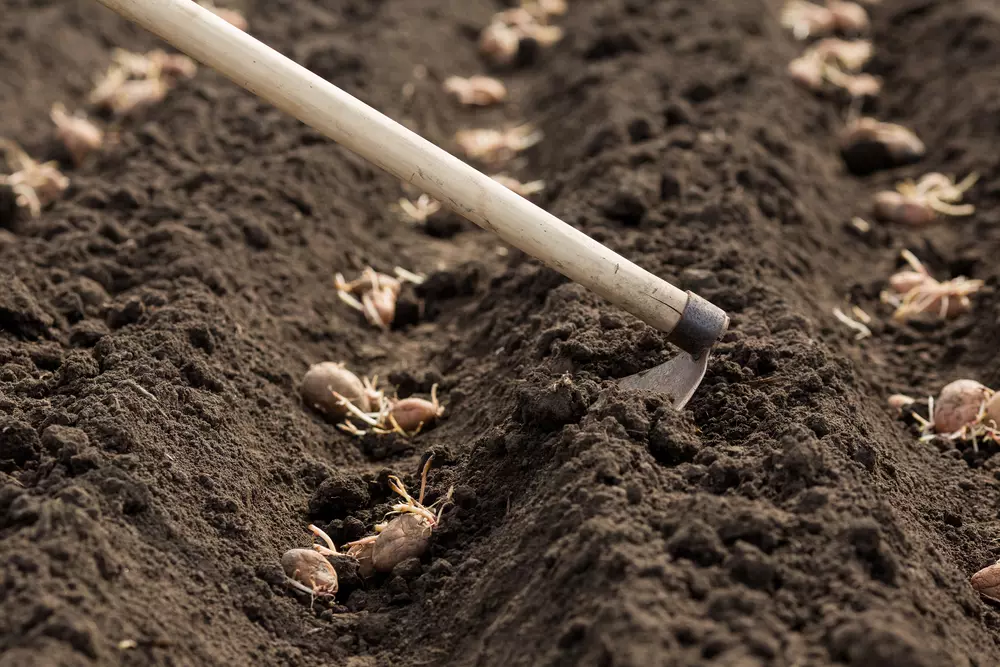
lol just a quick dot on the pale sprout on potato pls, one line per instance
(500, 40)
(35, 185)
(916, 293)
(405, 536)
(965, 410)
(494, 146)
(78, 134)
(476, 90)
(807, 19)
(901, 144)
(135, 81)
(523, 189)
(920, 202)
(420, 210)
(836, 61)
(406, 417)
(374, 293)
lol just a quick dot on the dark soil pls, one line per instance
(155, 460)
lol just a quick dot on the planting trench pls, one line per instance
(155, 323)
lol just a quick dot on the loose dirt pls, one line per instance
(155, 460)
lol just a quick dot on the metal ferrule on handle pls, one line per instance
(316, 102)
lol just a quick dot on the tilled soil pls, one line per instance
(155, 460)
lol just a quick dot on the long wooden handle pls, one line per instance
(384, 142)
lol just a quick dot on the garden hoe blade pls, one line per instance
(700, 325)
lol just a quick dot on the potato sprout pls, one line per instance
(476, 90)
(325, 381)
(378, 293)
(494, 146)
(405, 536)
(920, 202)
(79, 135)
(35, 185)
(921, 294)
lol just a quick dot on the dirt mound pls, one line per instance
(155, 460)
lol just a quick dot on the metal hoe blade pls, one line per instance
(677, 378)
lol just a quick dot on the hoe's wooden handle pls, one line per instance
(316, 102)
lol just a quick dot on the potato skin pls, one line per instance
(310, 568)
(321, 378)
(406, 536)
(958, 405)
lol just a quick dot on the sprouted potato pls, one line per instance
(523, 189)
(323, 382)
(35, 185)
(986, 582)
(900, 145)
(79, 135)
(494, 146)
(420, 210)
(959, 413)
(921, 294)
(406, 417)
(476, 90)
(310, 572)
(500, 41)
(920, 202)
(378, 293)
(405, 536)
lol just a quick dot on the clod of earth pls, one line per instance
(918, 203)
(405, 417)
(136, 81)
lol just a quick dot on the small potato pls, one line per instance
(848, 16)
(891, 206)
(363, 551)
(958, 405)
(322, 379)
(311, 571)
(499, 43)
(79, 135)
(406, 536)
(901, 401)
(986, 582)
(411, 413)
(807, 71)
